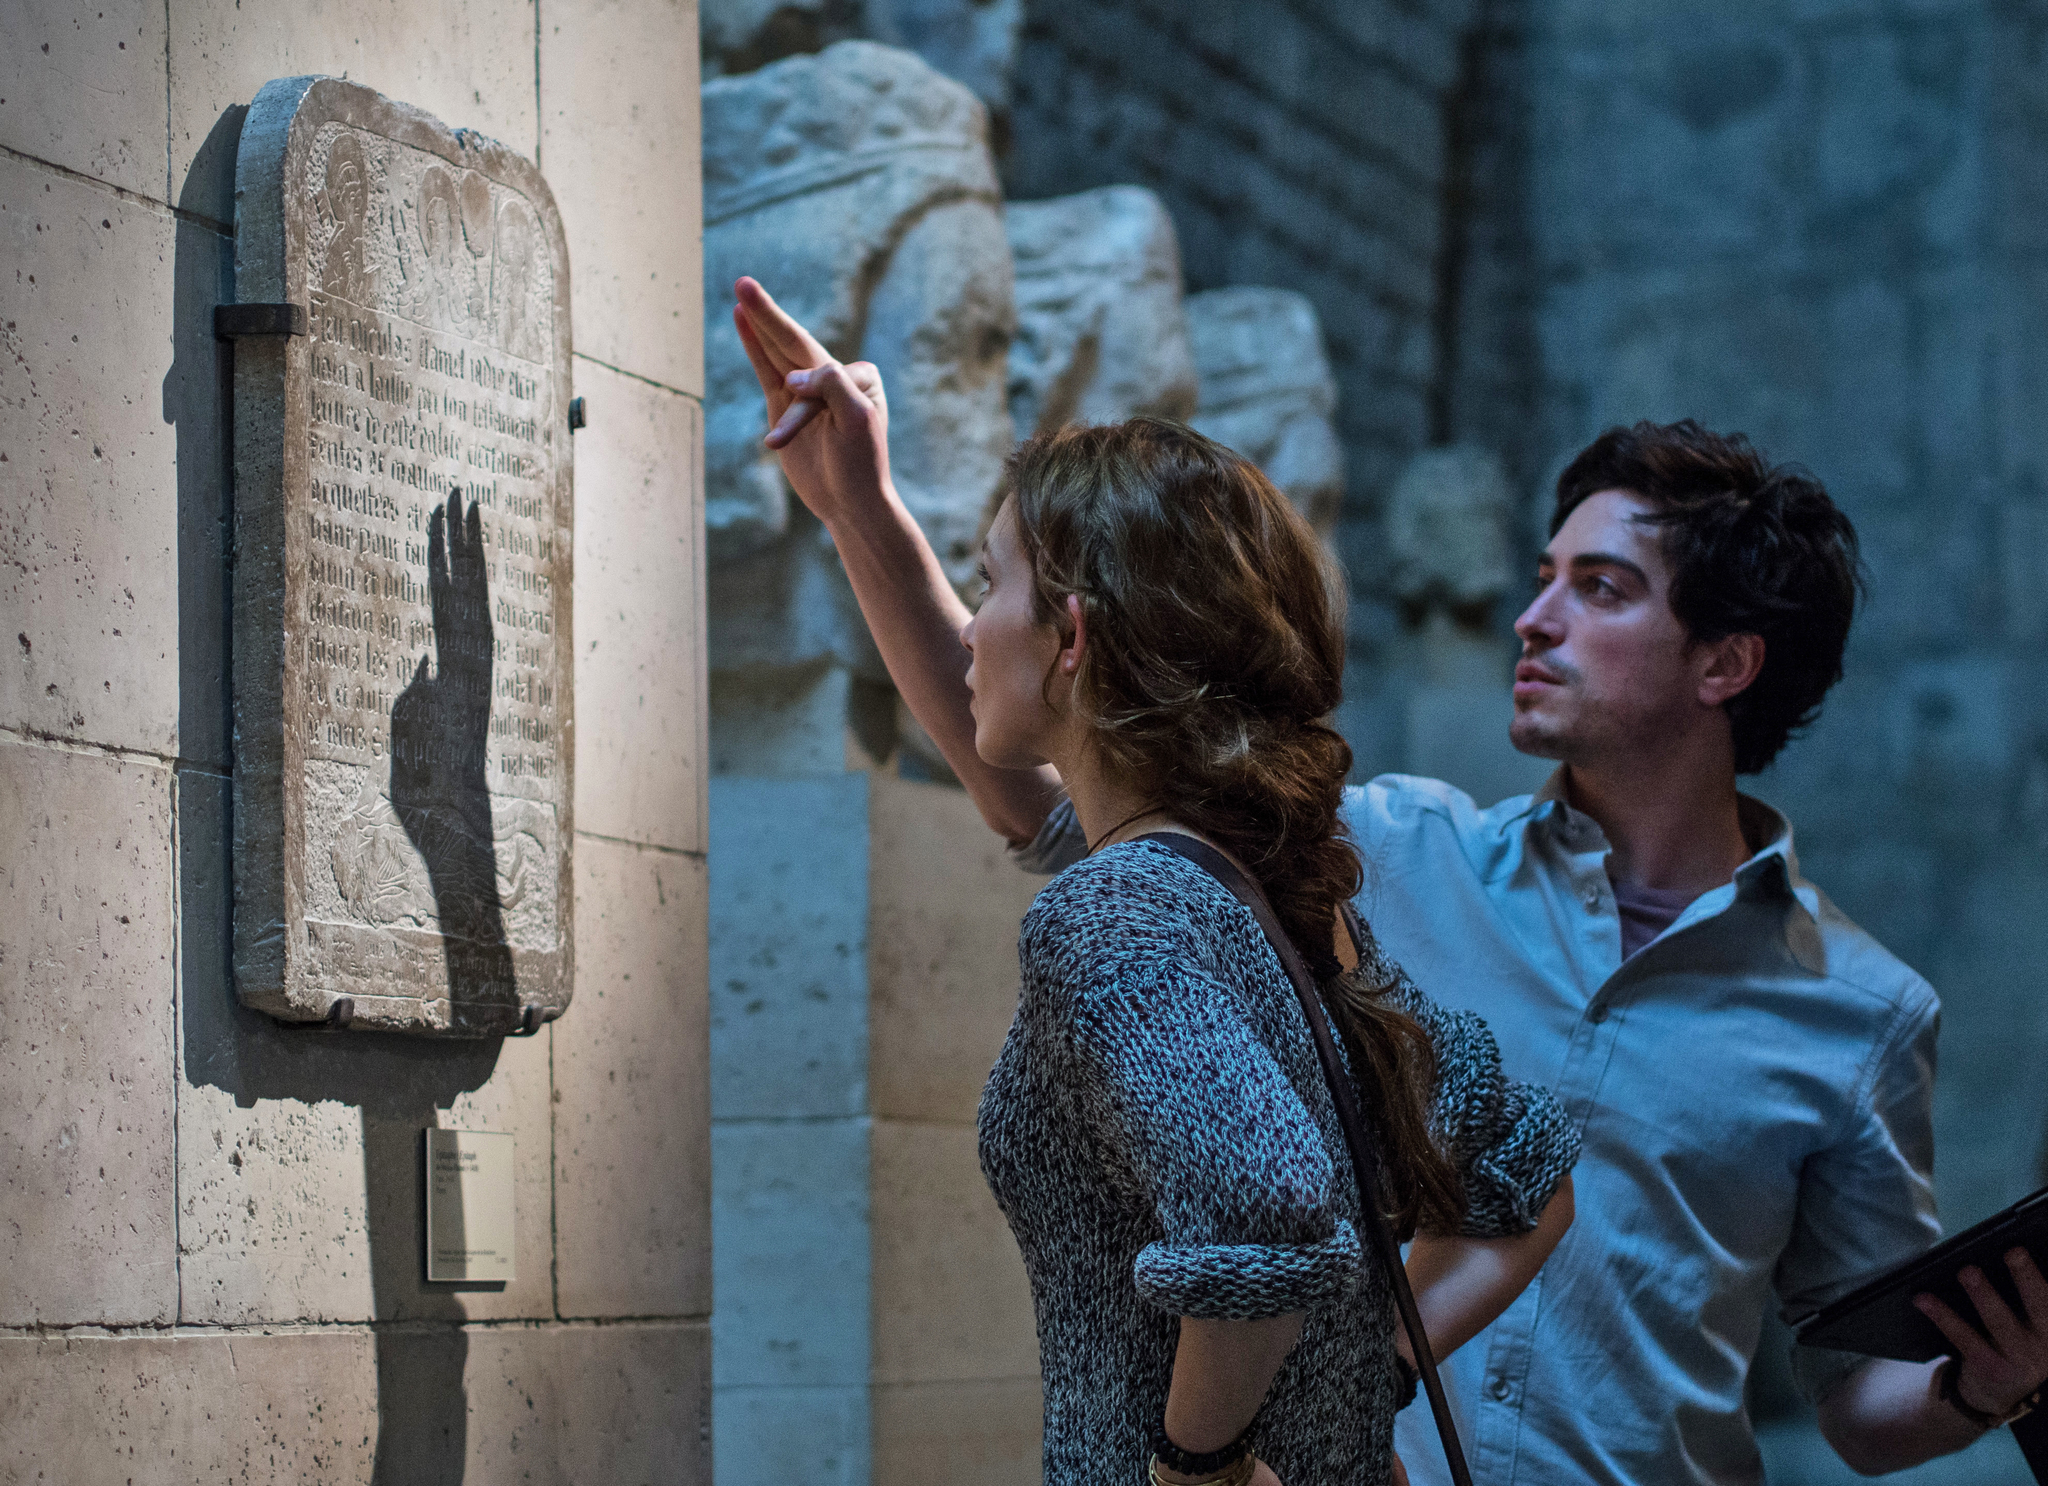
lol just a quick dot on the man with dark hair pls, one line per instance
(1751, 1073)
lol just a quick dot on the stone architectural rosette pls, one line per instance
(403, 516)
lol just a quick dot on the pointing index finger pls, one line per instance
(780, 335)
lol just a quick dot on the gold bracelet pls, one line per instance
(1238, 1474)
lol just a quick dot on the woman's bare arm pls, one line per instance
(1461, 1284)
(830, 425)
(1221, 1373)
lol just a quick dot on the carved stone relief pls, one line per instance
(1267, 391)
(857, 185)
(1448, 530)
(403, 522)
(971, 41)
(1100, 333)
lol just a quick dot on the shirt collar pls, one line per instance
(1772, 872)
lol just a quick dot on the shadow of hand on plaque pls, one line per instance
(440, 789)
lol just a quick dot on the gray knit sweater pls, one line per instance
(1159, 1134)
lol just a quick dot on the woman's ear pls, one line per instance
(1077, 637)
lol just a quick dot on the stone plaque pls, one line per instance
(402, 662)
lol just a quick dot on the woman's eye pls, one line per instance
(981, 572)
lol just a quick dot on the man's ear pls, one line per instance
(1076, 644)
(1732, 666)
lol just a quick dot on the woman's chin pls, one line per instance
(1001, 753)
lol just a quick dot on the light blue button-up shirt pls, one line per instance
(1754, 1091)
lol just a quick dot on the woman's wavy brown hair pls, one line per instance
(1215, 657)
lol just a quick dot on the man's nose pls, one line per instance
(1539, 625)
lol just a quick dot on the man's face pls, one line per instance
(1606, 668)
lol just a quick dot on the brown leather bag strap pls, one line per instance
(1364, 1157)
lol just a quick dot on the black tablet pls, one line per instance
(1879, 1318)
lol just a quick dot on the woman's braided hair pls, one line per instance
(1215, 657)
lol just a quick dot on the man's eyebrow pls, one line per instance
(1586, 560)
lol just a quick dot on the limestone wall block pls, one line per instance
(84, 88)
(946, 903)
(299, 1150)
(632, 1098)
(817, 1435)
(789, 947)
(858, 186)
(309, 1208)
(639, 613)
(618, 136)
(790, 1247)
(90, 525)
(1449, 520)
(471, 65)
(1100, 332)
(952, 1303)
(273, 1221)
(168, 1411)
(933, 1434)
(86, 988)
(1268, 393)
(630, 1402)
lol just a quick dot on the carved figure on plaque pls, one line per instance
(403, 519)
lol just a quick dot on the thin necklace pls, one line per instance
(1103, 839)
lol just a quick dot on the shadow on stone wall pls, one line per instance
(440, 737)
(395, 1083)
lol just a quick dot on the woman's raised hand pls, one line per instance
(829, 423)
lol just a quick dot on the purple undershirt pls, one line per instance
(1646, 912)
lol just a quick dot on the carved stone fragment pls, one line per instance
(1447, 529)
(1100, 334)
(1267, 391)
(971, 41)
(857, 186)
(403, 702)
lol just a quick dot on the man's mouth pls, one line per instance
(1531, 676)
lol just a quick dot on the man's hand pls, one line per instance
(1887, 1415)
(2008, 1359)
(830, 423)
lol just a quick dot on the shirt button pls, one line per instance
(1592, 897)
(1502, 1388)
(1597, 1013)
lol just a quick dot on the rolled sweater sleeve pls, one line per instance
(1231, 1159)
(1511, 1142)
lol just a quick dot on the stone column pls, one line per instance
(857, 185)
